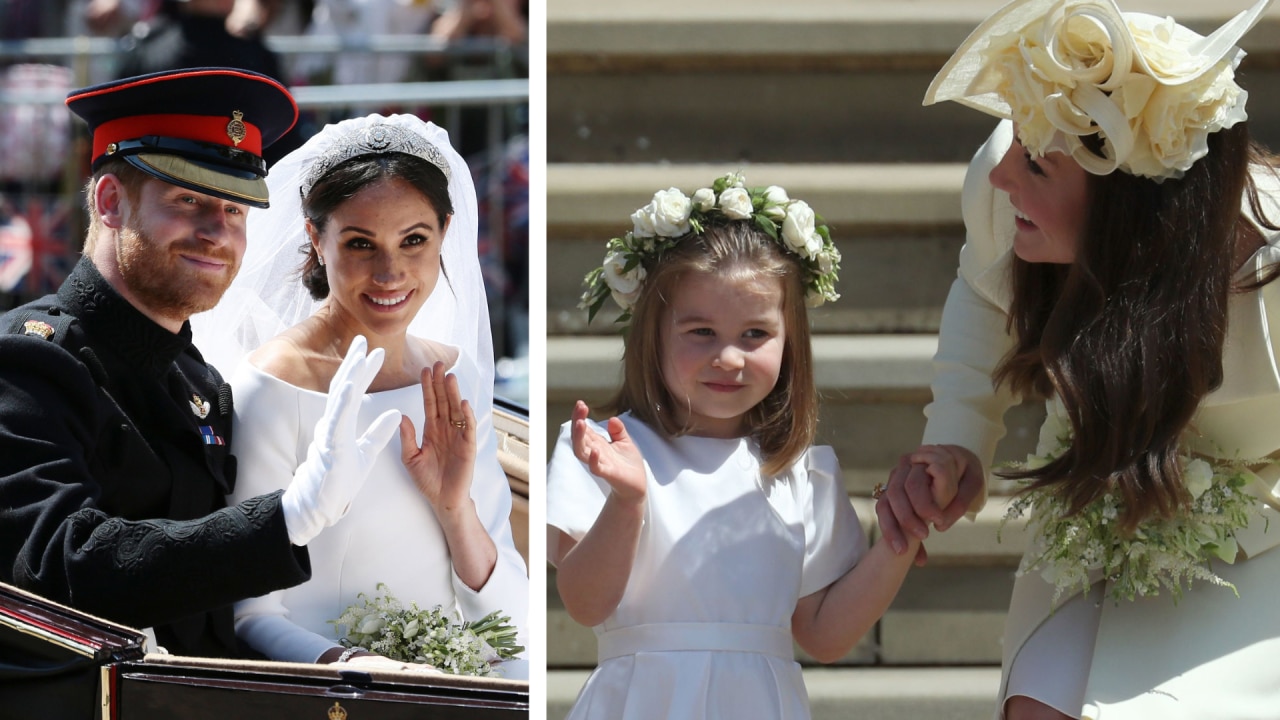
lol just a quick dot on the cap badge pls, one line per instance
(200, 406)
(35, 327)
(235, 129)
(337, 712)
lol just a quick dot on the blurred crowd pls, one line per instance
(42, 166)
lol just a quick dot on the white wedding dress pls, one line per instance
(390, 535)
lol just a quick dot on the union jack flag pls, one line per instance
(15, 251)
(52, 255)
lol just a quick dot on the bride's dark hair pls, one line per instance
(1130, 335)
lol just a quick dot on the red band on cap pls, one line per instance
(183, 127)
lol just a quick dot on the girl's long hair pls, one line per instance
(1130, 335)
(785, 422)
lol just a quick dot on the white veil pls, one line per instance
(267, 296)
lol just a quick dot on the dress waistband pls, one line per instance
(695, 637)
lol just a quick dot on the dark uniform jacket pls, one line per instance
(114, 463)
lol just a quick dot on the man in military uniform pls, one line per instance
(115, 435)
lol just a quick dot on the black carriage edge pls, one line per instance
(59, 663)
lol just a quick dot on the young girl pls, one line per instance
(698, 533)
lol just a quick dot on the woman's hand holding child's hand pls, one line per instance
(945, 467)
(616, 460)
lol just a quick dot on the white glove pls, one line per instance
(337, 461)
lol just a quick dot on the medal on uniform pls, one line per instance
(210, 437)
(200, 406)
(36, 327)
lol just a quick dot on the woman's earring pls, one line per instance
(320, 259)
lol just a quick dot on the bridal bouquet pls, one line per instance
(1070, 552)
(382, 625)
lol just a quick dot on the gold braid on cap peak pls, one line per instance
(378, 139)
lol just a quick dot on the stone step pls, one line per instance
(874, 389)
(885, 218)
(824, 81)
(949, 612)
(863, 693)
(642, 32)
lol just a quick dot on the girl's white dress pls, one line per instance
(703, 629)
(390, 535)
(1212, 655)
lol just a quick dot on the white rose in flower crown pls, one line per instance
(775, 202)
(624, 286)
(735, 203)
(704, 199)
(812, 247)
(671, 211)
(813, 298)
(798, 226)
(827, 260)
(642, 222)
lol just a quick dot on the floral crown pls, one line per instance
(671, 217)
(1152, 89)
(378, 139)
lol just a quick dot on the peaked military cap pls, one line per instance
(200, 128)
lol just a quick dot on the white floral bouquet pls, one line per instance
(382, 625)
(1073, 551)
(672, 215)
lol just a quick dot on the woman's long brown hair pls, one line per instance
(1130, 335)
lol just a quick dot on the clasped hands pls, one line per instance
(933, 485)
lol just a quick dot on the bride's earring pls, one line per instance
(320, 259)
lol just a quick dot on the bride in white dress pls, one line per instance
(380, 213)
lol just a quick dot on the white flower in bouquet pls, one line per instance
(382, 625)
(1072, 551)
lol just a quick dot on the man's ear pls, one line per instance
(111, 201)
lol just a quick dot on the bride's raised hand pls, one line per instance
(442, 465)
(617, 459)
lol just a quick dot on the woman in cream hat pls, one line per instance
(1119, 262)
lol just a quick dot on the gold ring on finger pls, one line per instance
(877, 491)
(460, 424)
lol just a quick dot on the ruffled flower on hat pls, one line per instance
(1133, 79)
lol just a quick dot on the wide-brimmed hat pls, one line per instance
(202, 128)
(1152, 89)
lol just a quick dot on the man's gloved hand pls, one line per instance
(338, 461)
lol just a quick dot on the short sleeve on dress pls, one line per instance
(575, 497)
(834, 540)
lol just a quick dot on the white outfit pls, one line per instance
(1212, 655)
(390, 535)
(703, 629)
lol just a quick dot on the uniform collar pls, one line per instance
(116, 323)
